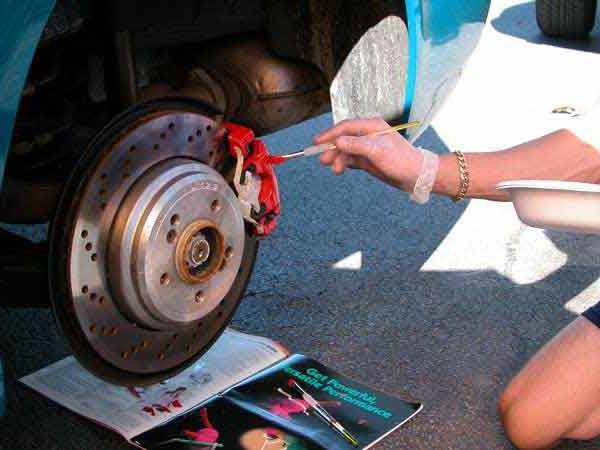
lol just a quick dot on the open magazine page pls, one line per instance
(268, 412)
(287, 392)
(131, 411)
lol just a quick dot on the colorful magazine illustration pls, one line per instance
(246, 393)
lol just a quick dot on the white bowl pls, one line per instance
(559, 205)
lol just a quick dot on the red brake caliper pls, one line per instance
(257, 183)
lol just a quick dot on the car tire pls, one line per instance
(571, 19)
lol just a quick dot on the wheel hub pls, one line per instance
(201, 252)
(167, 247)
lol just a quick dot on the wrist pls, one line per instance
(426, 177)
(448, 177)
(411, 167)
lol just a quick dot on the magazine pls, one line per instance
(246, 393)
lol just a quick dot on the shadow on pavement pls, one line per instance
(520, 21)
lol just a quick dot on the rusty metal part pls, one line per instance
(264, 92)
(242, 78)
(200, 251)
(197, 84)
(115, 281)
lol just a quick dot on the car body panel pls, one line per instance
(442, 36)
(20, 37)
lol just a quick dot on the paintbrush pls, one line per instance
(324, 415)
(320, 148)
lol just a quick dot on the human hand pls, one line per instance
(389, 157)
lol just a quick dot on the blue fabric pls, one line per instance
(593, 314)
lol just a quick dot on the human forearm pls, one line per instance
(557, 156)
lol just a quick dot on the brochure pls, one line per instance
(246, 393)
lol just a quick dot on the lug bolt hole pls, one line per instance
(161, 356)
(208, 127)
(171, 126)
(92, 328)
(190, 139)
(84, 234)
(163, 135)
(164, 279)
(215, 205)
(132, 149)
(175, 220)
(228, 252)
(199, 298)
(94, 257)
(88, 246)
(84, 289)
(93, 296)
(171, 236)
(156, 146)
(198, 132)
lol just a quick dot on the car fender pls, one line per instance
(20, 34)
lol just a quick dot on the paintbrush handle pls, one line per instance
(314, 150)
(404, 126)
(318, 149)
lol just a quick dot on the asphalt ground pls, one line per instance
(440, 303)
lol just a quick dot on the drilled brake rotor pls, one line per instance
(149, 252)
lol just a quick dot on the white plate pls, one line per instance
(559, 205)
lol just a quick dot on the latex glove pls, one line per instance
(389, 157)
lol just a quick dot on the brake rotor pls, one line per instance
(149, 253)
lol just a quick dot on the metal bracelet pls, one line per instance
(463, 172)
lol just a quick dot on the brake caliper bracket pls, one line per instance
(254, 179)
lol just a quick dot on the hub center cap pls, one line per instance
(199, 251)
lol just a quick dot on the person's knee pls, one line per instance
(521, 425)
